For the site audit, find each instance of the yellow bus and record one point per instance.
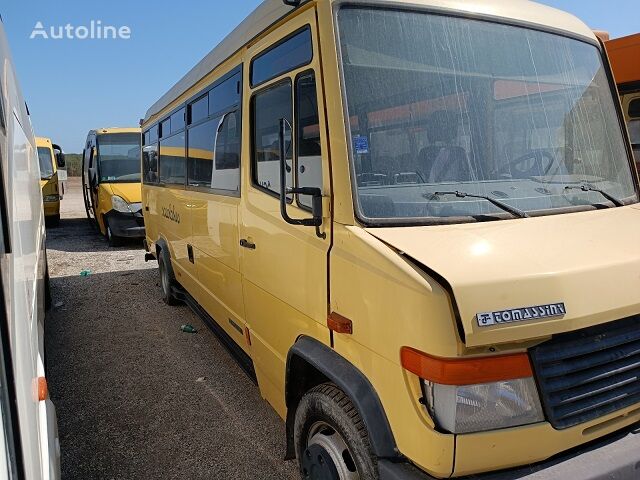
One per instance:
(111, 183)
(624, 55)
(416, 224)
(52, 163)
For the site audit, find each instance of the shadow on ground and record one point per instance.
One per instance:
(137, 398)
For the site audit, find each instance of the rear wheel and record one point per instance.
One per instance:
(331, 438)
(166, 279)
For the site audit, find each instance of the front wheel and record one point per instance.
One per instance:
(331, 439)
(111, 238)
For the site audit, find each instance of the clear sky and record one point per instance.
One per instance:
(72, 86)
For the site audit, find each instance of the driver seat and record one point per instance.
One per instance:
(444, 164)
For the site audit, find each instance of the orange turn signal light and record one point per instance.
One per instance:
(471, 371)
(43, 389)
(339, 324)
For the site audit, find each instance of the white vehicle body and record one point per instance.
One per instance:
(29, 445)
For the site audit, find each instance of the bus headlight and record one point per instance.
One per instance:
(51, 198)
(119, 204)
(486, 406)
(465, 395)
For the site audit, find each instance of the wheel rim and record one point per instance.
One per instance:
(327, 456)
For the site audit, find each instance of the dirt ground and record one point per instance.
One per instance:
(137, 398)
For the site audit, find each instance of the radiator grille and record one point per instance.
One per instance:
(589, 373)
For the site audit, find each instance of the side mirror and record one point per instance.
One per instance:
(314, 192)
(60, 160)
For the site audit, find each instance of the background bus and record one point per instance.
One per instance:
(624, 55)
(52, 176)
(29, 446)
(111, 183)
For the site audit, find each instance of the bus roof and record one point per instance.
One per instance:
(102, 131)
(624, 55)
(270, 11)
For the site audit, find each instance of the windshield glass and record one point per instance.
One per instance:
(46, 162)
(439, 105)
(119, 157)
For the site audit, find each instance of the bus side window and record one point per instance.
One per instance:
(226, 165)
(309, 151)
(150, 156)
(268, 107)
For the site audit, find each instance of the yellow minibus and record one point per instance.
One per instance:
(51, 159)
(111, 183)
(624, 55)
(415, 224)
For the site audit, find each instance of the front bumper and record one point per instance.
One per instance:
(51, 209)
(615, 458)
(128, 225)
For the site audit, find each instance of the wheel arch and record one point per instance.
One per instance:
(310, 363)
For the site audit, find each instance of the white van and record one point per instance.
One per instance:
(29, 445)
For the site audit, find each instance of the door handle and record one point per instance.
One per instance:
(247, 244)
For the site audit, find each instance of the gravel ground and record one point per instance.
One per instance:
(137, 398)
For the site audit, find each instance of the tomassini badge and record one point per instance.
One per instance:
(511, 315)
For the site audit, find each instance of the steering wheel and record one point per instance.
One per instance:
(527, 165)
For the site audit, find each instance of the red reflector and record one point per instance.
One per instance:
(470, 371)
(247, 335)
(339, 324)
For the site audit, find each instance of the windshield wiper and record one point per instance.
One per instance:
(516, 212)
(589, 188)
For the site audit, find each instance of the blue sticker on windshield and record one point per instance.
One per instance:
(361, 144)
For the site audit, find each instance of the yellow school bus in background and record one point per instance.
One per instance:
(624, 55)
(416, 224)
(52, 162)
(111, 183)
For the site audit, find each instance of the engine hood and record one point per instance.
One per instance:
(129, 192)
(590, 261)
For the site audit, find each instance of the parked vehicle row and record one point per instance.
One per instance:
(414, 224)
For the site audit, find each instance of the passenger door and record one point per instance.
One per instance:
(284, 267)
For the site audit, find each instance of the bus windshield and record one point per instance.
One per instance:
(445, 112)
(46, 163)
(119, 157)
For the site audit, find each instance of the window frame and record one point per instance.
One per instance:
(253, 164)
(295, 124)
(306, 27)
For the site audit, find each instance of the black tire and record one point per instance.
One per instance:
(331, 439)
(166, 279)
(111, 238)
(53, 221)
